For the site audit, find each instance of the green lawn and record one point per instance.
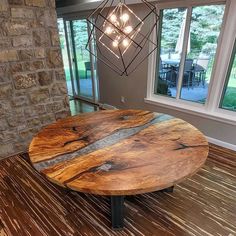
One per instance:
(82, 74)
(80, 63)
(229, 101)
(232, 83)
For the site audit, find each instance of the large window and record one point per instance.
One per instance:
(80, 66)
(229, 95)
(188, 38)
(194, 68)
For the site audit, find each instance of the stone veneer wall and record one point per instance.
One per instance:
(32, 82)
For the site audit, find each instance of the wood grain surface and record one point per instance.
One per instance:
(118, 152)
(203, 205)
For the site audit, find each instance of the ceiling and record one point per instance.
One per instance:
(65, 3)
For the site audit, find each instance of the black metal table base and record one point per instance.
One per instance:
(117, 209)
(117, 212)
(168, 190)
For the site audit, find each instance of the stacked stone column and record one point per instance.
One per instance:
(32, 82)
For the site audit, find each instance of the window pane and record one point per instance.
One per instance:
(204, 32)
(171, 27)
(80, 34)
(65, 58)
(229, 96)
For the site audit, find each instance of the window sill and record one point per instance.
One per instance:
(192, 108)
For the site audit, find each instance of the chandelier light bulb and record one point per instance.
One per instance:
(115, 32)
(125, 42)
(115, 43)
(109, 30)
(124, 17)
(113, 18)
(128, 29)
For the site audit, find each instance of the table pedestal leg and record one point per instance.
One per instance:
(169, 190)
(117, 212)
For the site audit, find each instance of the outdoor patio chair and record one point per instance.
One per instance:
(200, 69)
(163, 88)
(87, 65)
(87, 68)
(167, 74)
(188, 74)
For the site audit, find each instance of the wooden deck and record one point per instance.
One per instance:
(202, 205)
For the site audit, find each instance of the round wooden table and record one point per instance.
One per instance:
(118, 153)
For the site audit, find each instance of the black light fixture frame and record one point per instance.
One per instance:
(146, 37)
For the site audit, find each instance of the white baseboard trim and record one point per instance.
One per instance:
(221, 143)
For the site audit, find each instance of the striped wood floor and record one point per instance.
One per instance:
(202, 205)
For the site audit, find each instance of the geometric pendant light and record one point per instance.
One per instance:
(123, 34)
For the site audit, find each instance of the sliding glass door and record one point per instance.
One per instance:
(66, 56)
(80, 65)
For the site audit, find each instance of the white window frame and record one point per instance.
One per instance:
(218, 77)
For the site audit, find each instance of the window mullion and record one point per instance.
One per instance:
(184, 52)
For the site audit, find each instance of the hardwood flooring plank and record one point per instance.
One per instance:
(203, 205)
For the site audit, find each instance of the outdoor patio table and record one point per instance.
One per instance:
(171, 62)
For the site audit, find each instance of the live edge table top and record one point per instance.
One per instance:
(118, 152)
